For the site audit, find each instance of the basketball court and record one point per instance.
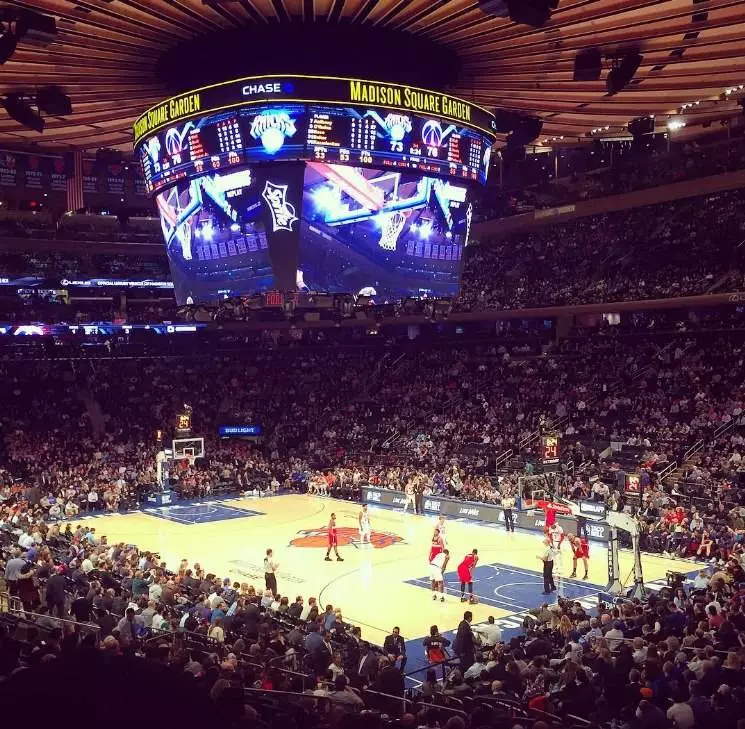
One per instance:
(375, 587)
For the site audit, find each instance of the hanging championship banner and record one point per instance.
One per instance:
(33, 175)
(8, 169)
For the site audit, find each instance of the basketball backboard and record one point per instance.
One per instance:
(191, 448)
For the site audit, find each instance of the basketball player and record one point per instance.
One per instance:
(580, 550)
(437, 567)
(550, 513)
(465, 575)
(441, 527)
(556, 534)
(410, 496)
(436, 546)
(333, 541)
(364, 521)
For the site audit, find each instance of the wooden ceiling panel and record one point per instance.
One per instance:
(105, 53)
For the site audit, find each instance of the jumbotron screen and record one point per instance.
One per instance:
(314, 227)
(314, 184)
(233, 232)
(312, 118)
(382, 233)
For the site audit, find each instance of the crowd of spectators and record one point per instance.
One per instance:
(681, 248)
(462, 418)
(90, 607)
(77, 440)
(601, 170)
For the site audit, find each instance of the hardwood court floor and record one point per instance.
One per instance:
(376, 587)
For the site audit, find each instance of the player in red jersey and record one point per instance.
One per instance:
(465, 575)
(333, 543)
(550, 511)
(437, 545)
(580, 550)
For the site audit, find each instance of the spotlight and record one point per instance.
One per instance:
(53, 100)
(22, 112)
(674, 124)
(620, 76)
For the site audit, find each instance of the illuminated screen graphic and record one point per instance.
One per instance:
(358, 136)
(228, 139)
(381, 232)
(233, 232)
(344, 134)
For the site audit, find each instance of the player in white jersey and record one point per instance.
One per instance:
(556, 535)
(410, 496)
(443, 533)
(437, 566)
(364, 522)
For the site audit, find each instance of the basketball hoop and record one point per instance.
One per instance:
(391, 229)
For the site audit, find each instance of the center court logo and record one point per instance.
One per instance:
(315, 538)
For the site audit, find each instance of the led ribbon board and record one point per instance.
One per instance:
(309, 90)
(326, 120)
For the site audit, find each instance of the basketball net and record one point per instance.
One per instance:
(392, 228)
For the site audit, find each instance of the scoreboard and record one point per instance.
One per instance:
(306, 118)
(359, 136)
(550, 452)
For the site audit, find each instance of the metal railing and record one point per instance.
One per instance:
(503, 458)
(13, 606)
(9, 603)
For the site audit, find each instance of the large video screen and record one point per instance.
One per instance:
(322, 133)
(234, 232)
(226, 139)
(383, 233)
(359, 136)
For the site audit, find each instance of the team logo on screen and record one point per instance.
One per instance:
(397, 126)
(272, 128)
(344, 536)
(283, 213)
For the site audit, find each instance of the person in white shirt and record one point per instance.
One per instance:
(475, 669)
(437, 568)
(680, 713)
(26, 541)
(155, 591)
(365, 528)
(489, 633)
(307, 608)
(92, 499)
(441, 526)
(614, 637)
(270, 571)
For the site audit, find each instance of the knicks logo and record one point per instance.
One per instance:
(344, 536)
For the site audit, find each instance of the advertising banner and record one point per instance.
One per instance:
(533, 520)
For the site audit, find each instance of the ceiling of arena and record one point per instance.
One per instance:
(105, 55)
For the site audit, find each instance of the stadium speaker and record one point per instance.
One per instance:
(8, 43)
(31, 21)
(53, 100)
(527, 129)
(22, 112)
(641, 125)
(535, 13)
(588, 64)
(106, 157)
(505, 121)
(620, 76)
